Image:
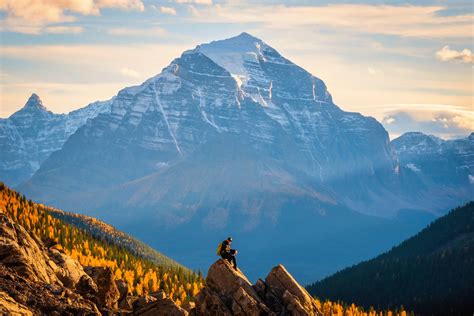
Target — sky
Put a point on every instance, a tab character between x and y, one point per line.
409	64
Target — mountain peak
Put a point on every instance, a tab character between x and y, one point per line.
246	36
242	43
34	102
418	136
235	52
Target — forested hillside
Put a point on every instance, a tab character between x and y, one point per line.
144	270
109	233
431	273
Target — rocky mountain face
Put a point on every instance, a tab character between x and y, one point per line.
435	168
31	134
437	160
232	137
236	97
40	280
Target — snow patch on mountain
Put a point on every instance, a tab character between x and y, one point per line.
412	167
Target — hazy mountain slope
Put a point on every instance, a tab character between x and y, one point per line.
430	273
31	134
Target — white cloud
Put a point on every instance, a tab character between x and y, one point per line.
31	16
64	29
403	20
129	73
447	54
442	120
168	10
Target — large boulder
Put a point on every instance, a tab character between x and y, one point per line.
293	296
108	293
160	307
69	271
142	301
228	292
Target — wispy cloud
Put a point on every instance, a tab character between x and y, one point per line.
403	20
129	72
204	2
64	29
126	31
447	54
32	16
168	10
443	120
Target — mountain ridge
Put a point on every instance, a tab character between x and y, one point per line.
31	134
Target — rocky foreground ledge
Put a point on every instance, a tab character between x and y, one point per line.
229	292
39	280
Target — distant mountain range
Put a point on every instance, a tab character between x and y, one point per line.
233	138
431	163
30	135
430	273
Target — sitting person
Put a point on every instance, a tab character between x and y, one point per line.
227	253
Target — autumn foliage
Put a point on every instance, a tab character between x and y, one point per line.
329	308
141	274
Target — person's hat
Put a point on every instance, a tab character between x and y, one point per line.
229	238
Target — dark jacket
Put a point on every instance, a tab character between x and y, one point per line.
225	248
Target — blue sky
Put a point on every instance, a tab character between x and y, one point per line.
409	64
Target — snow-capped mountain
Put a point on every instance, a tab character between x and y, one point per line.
241	89
31	134
435	163
232	137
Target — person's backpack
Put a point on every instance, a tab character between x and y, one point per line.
218	250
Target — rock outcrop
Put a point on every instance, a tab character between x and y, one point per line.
22	253
33	279
229	292
37	280
108	293
161	306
